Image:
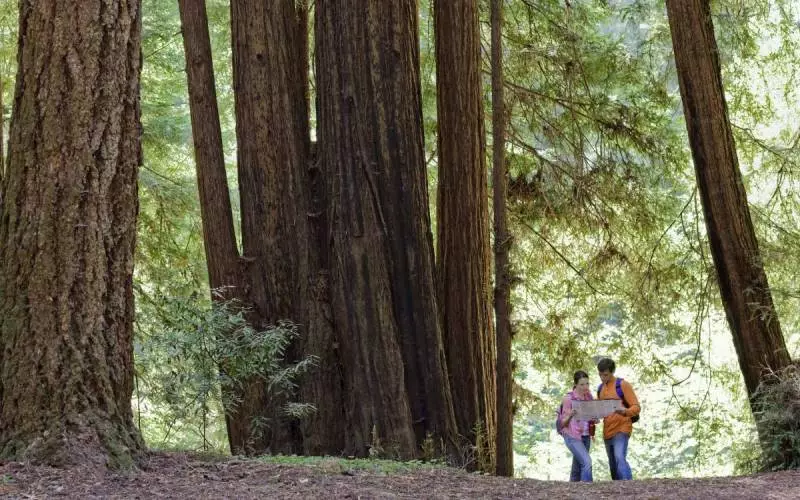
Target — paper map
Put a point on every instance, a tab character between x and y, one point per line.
598	408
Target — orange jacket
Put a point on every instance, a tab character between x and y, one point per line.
615	423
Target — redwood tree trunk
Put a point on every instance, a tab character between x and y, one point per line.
324	430
371	150
742	280
273	144
219	239
502	243
67	233
464	265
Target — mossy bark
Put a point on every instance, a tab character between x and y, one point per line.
67	234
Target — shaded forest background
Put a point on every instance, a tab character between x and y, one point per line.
610	253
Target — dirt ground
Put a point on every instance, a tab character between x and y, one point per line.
175	475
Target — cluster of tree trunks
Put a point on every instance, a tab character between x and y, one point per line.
341	241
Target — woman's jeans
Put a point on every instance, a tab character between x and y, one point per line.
581	461
617	451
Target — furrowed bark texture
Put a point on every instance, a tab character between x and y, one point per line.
742	280
273	145
67	233
383	293
464	265
502	243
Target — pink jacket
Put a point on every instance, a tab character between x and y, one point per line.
576	428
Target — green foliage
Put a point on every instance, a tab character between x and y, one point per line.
192	360
778	413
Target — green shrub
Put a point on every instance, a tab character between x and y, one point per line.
777	411
182	391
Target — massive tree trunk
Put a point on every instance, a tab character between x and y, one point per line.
371	150
742	280
502	243
67	234
464	266
273	146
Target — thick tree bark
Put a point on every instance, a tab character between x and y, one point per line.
502	243
742	280
67	233
219	238
371	150
323	431
464	265
273	145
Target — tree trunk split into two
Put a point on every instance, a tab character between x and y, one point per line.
742	280
464	265
67	233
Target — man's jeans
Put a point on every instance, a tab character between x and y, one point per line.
617	451
581	461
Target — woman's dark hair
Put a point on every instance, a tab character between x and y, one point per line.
606	365
579	375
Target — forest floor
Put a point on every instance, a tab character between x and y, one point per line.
178	475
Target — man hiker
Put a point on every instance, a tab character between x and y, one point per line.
618	426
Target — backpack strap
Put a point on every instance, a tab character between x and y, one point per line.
599	388
621	394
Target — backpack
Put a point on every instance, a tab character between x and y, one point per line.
559	427
618	386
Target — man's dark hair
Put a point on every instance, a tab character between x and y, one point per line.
579	375
606	365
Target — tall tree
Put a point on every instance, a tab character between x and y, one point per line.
383	296
502	242
742	280
219	239
222	256
67	234
464	265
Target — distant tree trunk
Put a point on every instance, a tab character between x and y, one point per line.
371	151
67	234
219	238
742	280
273	149
502	243
464	265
